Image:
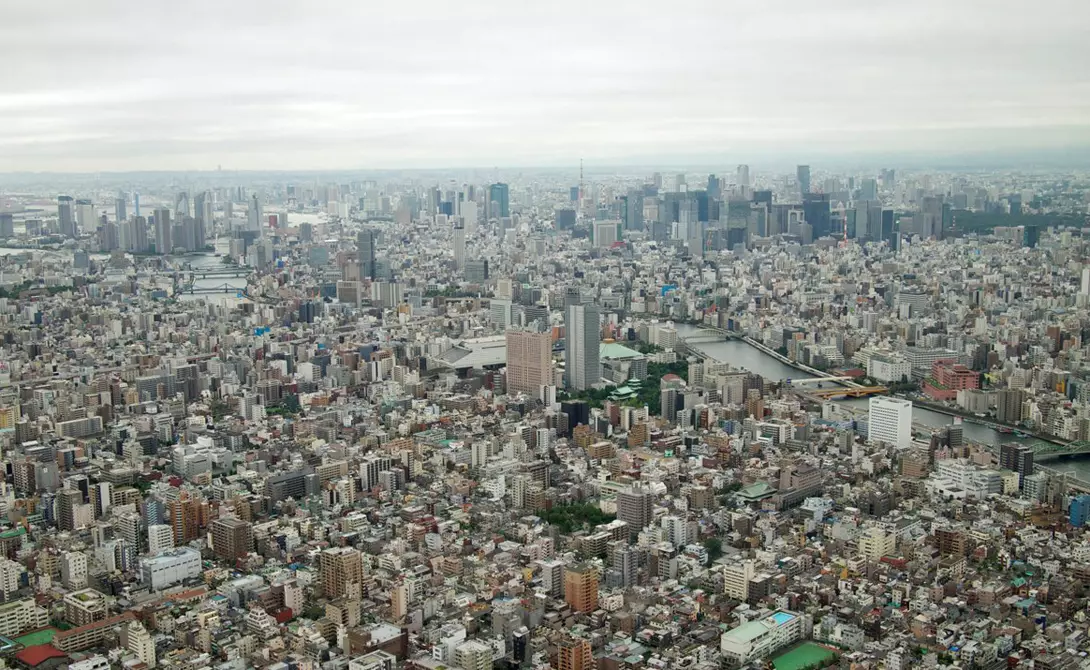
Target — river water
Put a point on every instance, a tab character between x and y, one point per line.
741	355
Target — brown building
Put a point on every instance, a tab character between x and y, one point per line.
529	361
187	517
574	655
232	538
581	588
340	568
951	542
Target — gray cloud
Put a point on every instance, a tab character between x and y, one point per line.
253	84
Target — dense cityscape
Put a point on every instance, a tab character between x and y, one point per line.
585	418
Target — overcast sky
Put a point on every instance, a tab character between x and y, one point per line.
263	84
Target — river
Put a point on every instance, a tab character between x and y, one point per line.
741	355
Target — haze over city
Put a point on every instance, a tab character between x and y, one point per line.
274	85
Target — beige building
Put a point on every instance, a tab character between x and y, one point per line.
529	361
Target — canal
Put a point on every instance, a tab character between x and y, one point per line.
741	355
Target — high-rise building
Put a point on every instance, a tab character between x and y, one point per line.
1017	458
365	251
340	570
582	341
66	222
120	209
163	233
868	190
139	642
581	588
232	538
67	501
459	244
890	420
743	176
1030	236
574	654
185	518
816	209
802	173
499	198
634	508
1079	511
529	360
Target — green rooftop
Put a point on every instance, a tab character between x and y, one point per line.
756	491
43	636
616	351
805	655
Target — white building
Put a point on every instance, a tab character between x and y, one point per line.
160	538
170	567
74	570
888	368
890	421
759	639
21	615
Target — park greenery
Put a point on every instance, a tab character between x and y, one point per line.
574	516
966	221
647	393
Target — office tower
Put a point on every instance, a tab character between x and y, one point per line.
816	210
1015	201
529	360
574	654
1030	236
888	234
868	190
625	561
714	189
565	218
581	366
459	244
668	401
581	588
365	251
135	204
632	206
120	213
163	238
255	215
7	225
160	538
803	175
606	233
1079	511
1017	458
232	538
499	198
743	176
634	508
339	571
66	222
202	212
890	421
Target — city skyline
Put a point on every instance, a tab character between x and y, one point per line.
427	85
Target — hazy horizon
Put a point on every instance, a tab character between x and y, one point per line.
265	86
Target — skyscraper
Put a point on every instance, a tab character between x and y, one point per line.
581	365
365	250
459	244
581	588
529	360
120	213
816	210
66	224
181	205
163	238
803	175
499	196
743	176
890	421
